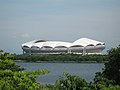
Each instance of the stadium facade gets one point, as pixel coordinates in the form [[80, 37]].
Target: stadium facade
[[80, 46]]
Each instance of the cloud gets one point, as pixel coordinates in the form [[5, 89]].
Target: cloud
[[26, 35]]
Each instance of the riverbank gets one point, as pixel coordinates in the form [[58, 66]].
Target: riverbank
[[60, 61], [61, 58]]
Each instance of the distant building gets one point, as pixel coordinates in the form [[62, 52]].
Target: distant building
[[80, 46]]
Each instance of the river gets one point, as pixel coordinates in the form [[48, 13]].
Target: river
[[85, 70]]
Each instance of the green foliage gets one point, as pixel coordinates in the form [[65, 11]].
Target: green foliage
[[9, 64], [69, 82], [61, 58], [116, 87], [101, 82], [19, 80], [112, 68], [13, 78], [100, 79], [6, 62], [72, 82], [6, 56], [109, 79]]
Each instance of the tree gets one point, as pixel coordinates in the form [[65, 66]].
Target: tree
[[112, 68], [70, 82], [13, 78], [6, 62]]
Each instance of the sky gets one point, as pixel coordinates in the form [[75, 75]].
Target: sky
[[65, 20]]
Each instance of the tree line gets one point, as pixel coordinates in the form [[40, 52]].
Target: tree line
[[61, 58]]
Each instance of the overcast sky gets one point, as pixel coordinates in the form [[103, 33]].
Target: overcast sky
[[65, 20]]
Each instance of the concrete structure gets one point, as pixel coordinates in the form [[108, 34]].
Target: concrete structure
[[80, 46]]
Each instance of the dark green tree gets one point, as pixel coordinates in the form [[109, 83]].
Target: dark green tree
[[112, 68]]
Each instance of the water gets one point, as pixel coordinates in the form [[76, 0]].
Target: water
[[85, 70]]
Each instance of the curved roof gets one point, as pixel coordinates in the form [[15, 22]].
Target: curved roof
[[80, 42], [29, 44], [86, 42]]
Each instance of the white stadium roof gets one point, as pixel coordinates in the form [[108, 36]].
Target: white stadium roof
[[52, 44], [80, 46], [86, 42], [81, 42]]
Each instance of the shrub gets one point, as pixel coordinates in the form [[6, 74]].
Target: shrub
[[13, 78], [70, 82]]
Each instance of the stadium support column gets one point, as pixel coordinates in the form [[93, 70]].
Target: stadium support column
[[68, 51], [30, 51], [84, 51], [23, 52]]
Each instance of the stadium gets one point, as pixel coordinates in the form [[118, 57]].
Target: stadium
[[80, 46]]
